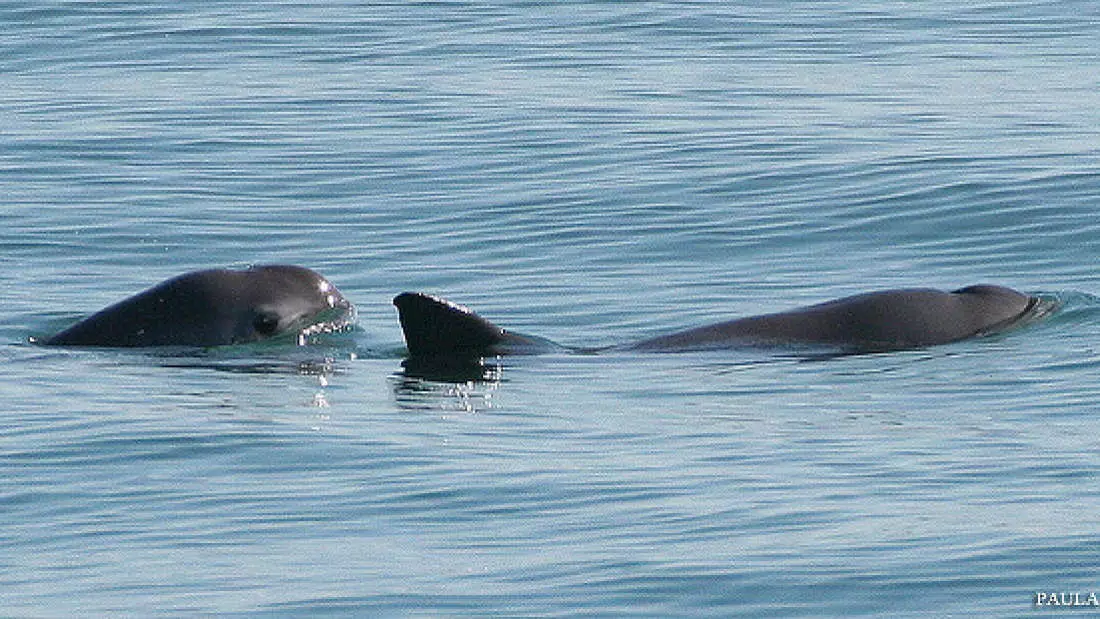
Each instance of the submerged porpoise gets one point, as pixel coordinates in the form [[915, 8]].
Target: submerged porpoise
[[216, 307], [870, 322]]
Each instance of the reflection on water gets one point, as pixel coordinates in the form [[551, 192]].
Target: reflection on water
[[449, 384], [453, 369], [321, 367]]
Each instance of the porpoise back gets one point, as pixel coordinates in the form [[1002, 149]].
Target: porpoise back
[[884, 320]]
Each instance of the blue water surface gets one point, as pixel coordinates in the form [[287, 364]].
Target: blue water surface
[[596, 173]]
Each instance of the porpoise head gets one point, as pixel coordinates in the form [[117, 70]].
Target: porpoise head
[[289, 299], [995, 308], [217, 307]]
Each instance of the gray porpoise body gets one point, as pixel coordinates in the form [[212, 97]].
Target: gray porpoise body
[[214, 308], [874, 321], [886, 320]]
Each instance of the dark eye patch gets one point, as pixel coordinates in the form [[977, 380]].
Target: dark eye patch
[[265, 323]]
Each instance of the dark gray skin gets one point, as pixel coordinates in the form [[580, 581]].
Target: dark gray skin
[[215, 307], [874, 321]]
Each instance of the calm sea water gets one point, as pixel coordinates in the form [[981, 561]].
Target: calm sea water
[[593, 172]]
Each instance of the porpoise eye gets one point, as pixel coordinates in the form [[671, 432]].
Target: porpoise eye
[[265, 324]]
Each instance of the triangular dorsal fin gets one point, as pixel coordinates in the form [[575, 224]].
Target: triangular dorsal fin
[[434, 326]]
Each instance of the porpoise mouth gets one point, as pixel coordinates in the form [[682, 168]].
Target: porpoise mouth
[[339, 316], [1038, 308]]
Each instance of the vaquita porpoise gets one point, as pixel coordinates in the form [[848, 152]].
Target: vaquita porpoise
[[870, 322]]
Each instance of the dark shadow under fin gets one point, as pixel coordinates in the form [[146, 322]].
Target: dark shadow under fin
[[451, 369]]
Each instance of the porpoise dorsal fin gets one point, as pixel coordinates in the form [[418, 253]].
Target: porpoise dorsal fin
[[434, 326]]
